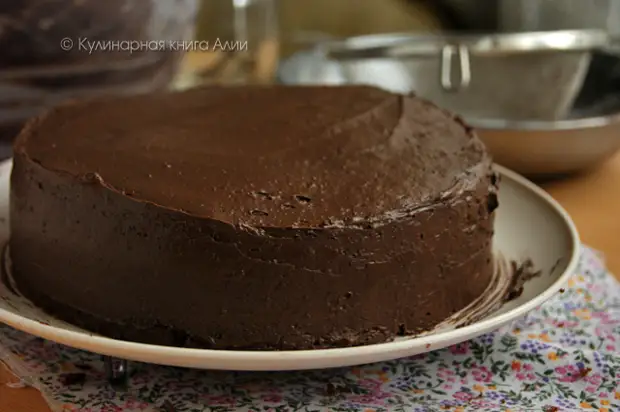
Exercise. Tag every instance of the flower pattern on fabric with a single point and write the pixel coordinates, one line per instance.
(563, 356)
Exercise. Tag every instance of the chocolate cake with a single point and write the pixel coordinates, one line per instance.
(253, 217)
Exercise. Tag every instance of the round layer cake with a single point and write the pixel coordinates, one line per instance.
(252, 217)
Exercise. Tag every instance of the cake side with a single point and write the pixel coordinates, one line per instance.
(163, 277)
(115, 263)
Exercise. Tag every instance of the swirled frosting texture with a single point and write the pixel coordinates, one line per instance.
(273, 157)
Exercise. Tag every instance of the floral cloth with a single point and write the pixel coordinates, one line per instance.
(564, 356)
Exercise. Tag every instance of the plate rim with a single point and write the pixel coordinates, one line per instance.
(297, 359)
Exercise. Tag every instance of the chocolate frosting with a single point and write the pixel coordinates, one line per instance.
(244, 155)
(253, 217)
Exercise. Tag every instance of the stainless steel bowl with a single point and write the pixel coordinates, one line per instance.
(533, 75)
(539, 148)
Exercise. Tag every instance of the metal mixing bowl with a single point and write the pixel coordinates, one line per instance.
(533, 75)
(540, 148)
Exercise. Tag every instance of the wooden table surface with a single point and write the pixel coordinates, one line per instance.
(592, 200)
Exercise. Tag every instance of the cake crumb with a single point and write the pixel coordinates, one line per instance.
(521, 273)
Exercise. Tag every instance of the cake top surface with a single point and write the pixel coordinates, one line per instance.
(263, 156)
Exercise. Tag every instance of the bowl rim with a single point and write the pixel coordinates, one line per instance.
(544, 125)
(409, 44)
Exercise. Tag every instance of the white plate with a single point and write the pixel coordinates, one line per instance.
(529, 224)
